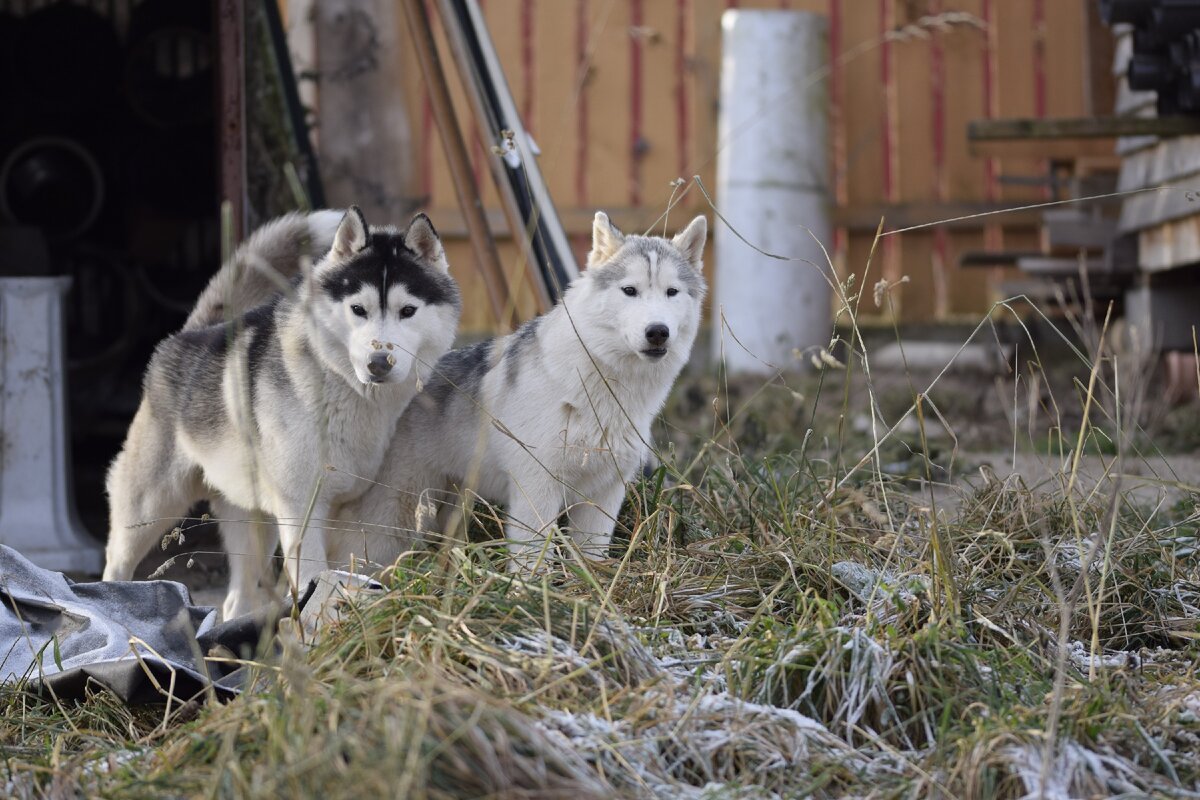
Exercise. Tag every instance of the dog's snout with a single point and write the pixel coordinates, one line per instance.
(657, 334)
(380, 364)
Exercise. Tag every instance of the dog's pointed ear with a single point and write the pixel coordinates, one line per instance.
(351, 235)
(606, 240)
(422, 239)
(690, 241)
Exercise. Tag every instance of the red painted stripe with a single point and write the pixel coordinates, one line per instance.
(836, 111)
(427, 146)
(682, 128)
(837, 122)
(989, 96)
(581, 120)
(528, 65)
(635, 103)
(478, 156)
(885, 78)
(891, 245)
(1039, 67)
(937, 89)
(1039, 58)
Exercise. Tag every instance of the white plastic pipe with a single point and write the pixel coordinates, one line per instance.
(773, 188)
(37, 507)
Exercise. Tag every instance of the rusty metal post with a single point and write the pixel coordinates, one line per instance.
(231, 108)
(486, 255)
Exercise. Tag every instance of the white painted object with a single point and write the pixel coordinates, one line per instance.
(773, 187)
(37, 508)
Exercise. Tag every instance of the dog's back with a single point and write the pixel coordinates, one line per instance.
(264, 265)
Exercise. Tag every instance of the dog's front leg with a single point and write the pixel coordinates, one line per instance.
(250, 539)
(532, 511)
(593, 519)
(305, 550)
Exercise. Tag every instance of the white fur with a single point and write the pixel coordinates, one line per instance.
(567, 432)
(298, 449)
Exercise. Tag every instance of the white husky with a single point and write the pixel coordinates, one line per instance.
(553, 418)
(251, 412)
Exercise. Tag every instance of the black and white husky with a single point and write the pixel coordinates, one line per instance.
(553, 418)
(280, 410)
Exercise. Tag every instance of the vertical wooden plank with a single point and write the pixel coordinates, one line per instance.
(864, 99)
(1014, 56)
(837, 133)
(909, 171)
(966, 92)
(479, 166)
(608, 95)
(972, 291)
(558, 102)
(637, 142)
(683, 112)
(937, 89)
(1067, 67)
(528, 104)
(231, 111)
(583, 69)
(658, 142)
(412, 90)
(888, 124)
(705, 60)
(963, 53)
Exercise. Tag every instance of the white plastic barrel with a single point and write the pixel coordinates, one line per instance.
(773, 187)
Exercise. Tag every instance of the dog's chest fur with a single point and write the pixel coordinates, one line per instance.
(349, 426)
(311, 426)
(567, 418)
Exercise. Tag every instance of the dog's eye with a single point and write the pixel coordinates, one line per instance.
(407, 312)
(358, 310)
(672, 292)
(629, 291)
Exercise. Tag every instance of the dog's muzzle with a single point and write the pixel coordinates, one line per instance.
(380, 365)
(656, 336)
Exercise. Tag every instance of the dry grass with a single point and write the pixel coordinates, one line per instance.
(772, 625)
(787, 613)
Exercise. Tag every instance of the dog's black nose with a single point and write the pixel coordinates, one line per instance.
(657, 334)
(380, 364)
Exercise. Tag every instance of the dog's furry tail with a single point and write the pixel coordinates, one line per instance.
(264, 265)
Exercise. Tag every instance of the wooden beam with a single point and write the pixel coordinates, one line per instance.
(484, 246)
(971, 259)
(865, 218)
(231, 109)
(857, 219)
(1049, 267)
(986, 130)
(1042, 149)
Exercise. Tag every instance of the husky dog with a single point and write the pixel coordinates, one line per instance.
(282, 409)
(554, 417)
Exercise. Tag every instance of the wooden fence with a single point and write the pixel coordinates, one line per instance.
(622, 95)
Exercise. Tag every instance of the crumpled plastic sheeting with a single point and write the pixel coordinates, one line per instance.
(142, 640)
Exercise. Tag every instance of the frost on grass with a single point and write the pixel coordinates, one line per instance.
(768, 628)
